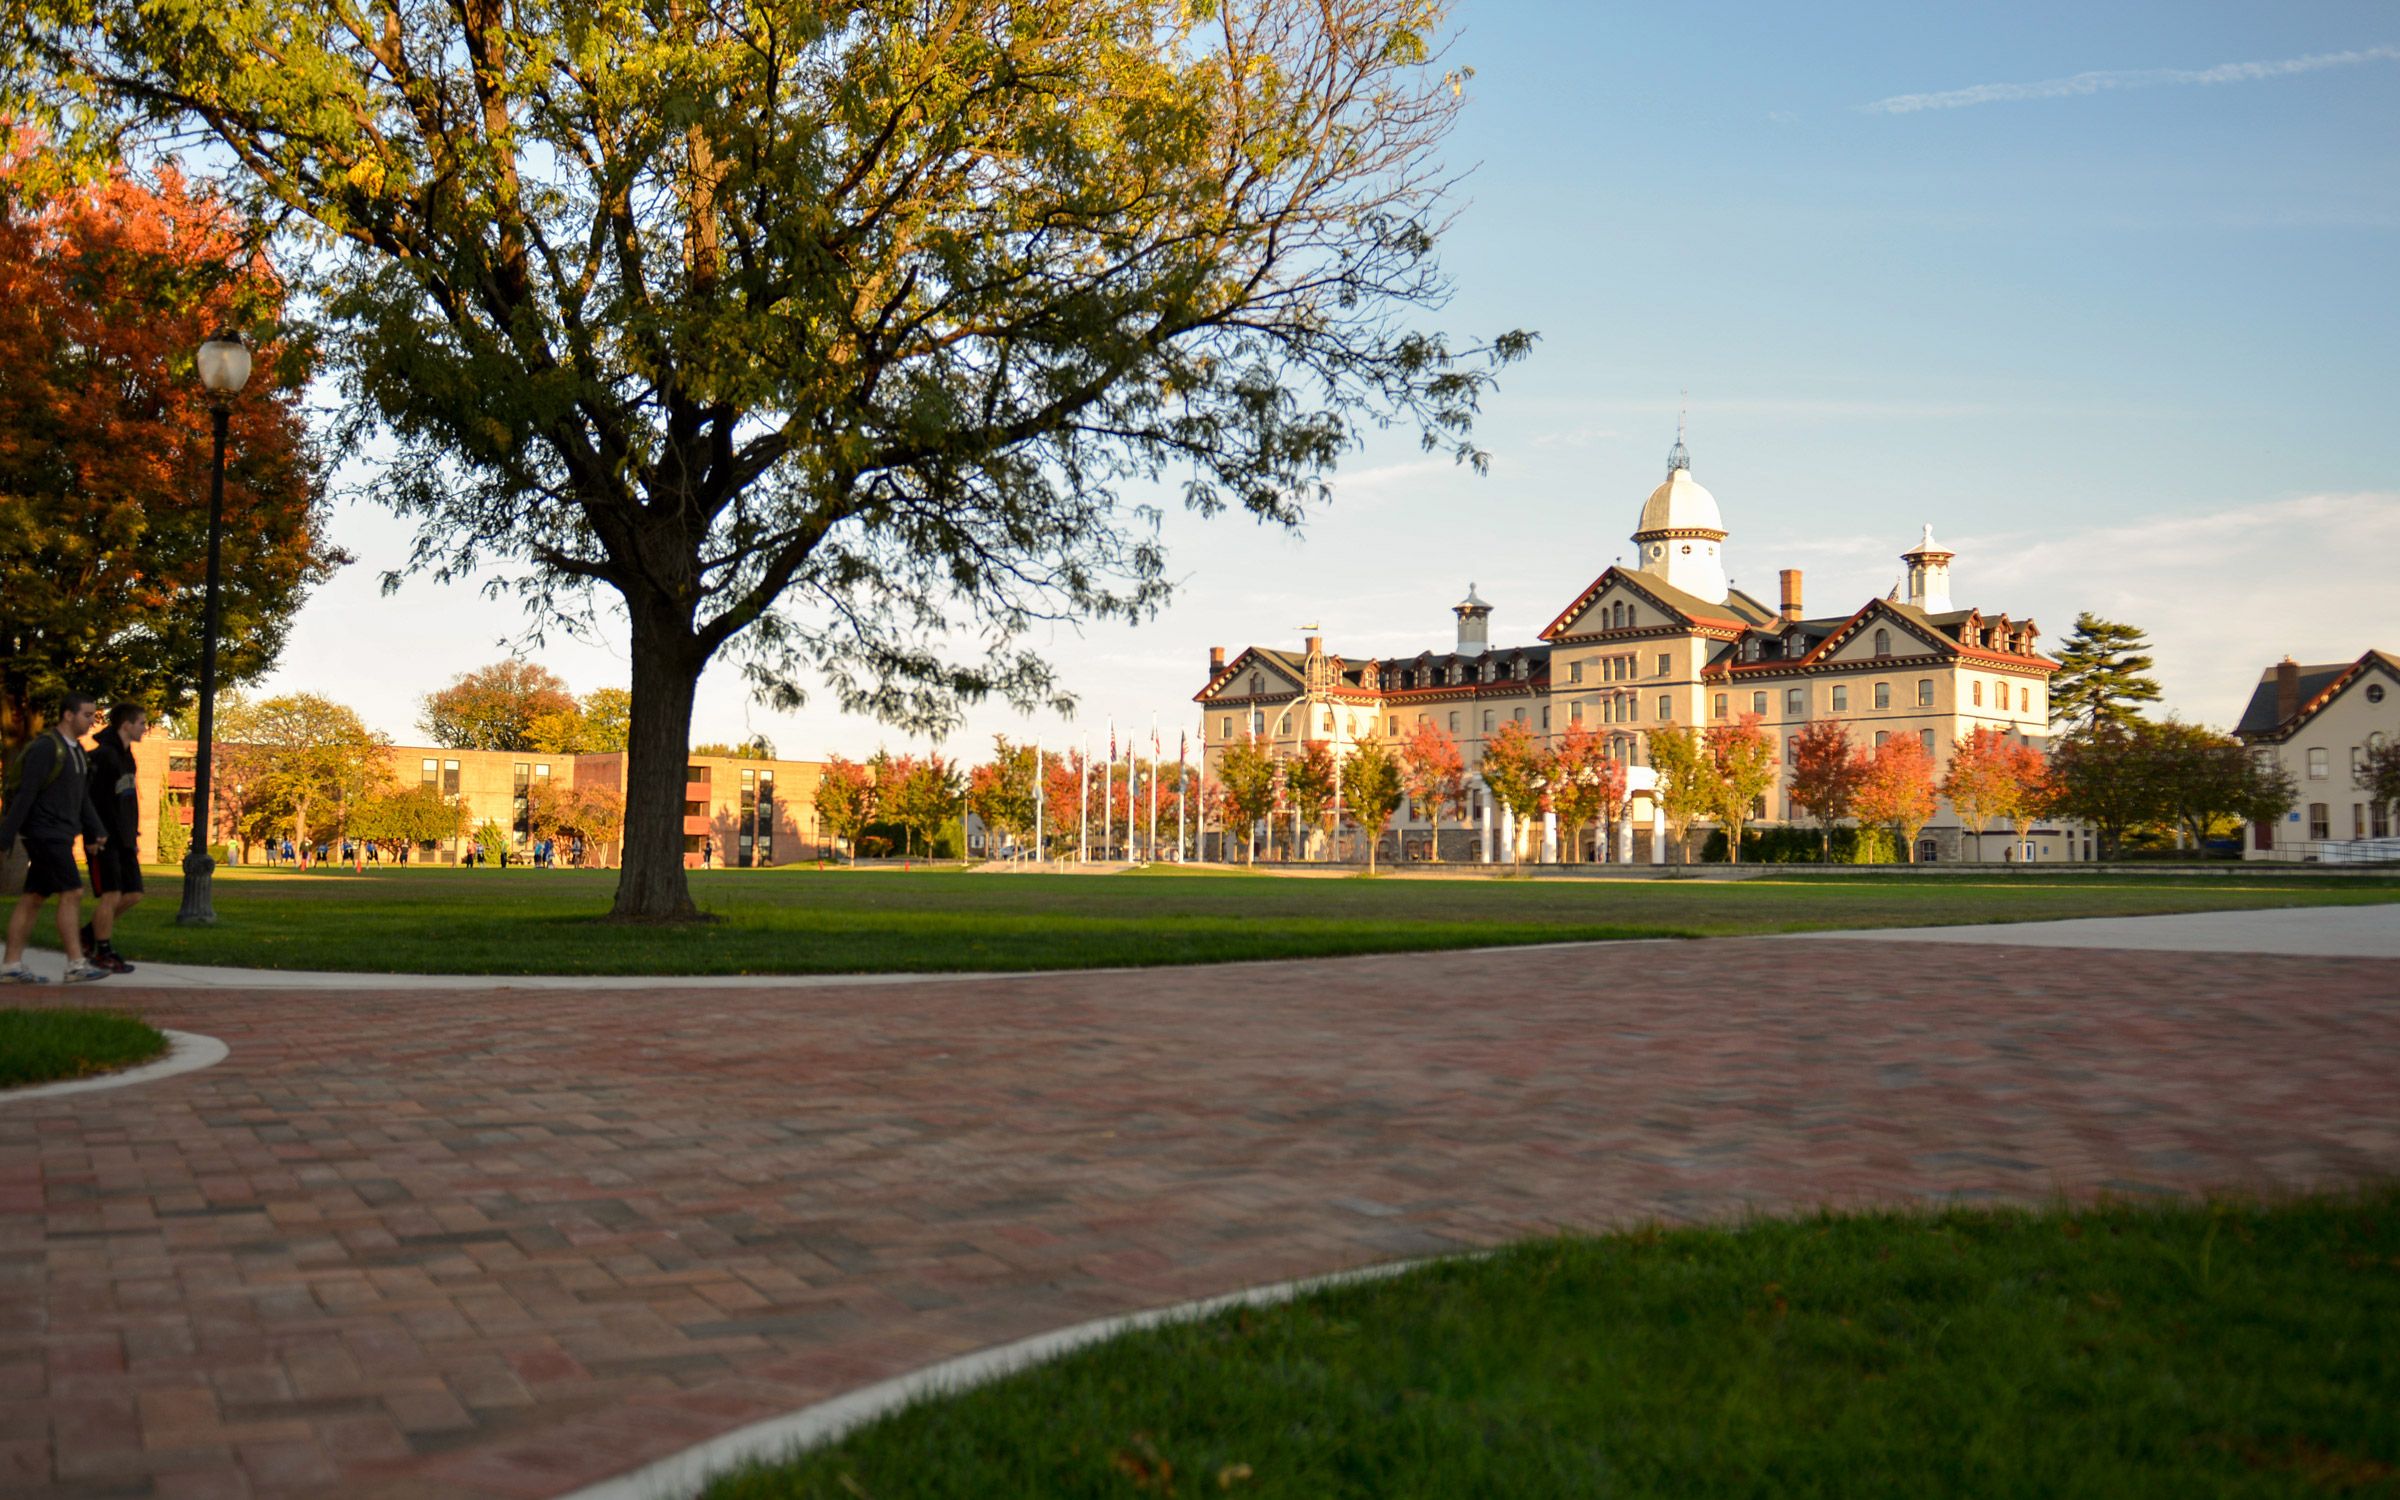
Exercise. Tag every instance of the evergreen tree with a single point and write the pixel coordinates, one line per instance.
(2103, 673)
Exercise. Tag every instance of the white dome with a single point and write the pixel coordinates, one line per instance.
(1680, 504)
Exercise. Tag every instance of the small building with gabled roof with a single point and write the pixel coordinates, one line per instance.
(2320, 724)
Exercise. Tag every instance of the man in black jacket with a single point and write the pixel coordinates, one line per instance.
(52, 804)
(117, 864)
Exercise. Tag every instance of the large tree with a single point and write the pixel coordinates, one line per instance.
(395, 820)
(106, 290)
(845, 800)
(1586, 783)
(826, 333)
(1310, 781)
(597, 723)
(1250, 777)
(1371, 791)
(2109, 775)
(2209, 783)
(1982, 781)
(306, 756)
(499, 707)
(2103, 676)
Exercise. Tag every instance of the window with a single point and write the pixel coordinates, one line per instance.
(2024, 700)
(1574, 671)
(1225, 727)
(432, 775)
(1258, 721)
(1393, 726)
(1883, 643)
(1517, 716)
(2374, 692)
(1717, 705)
(1666, 708)
(1329, 721)
(519, 804)
(1791, 749)
(1666, 663)
(2358, 820)
(2320, 821)
(1574, 713)
(1880, 736)
(1633, 707)
(1791, 701)
(1283, 726)
(1758, 703)
(1487, 721)
(1925, 738)
(1454, 723)
(1257, 684)
(1924, 692)
(449, 778)
(1795, 646)
(2318, 769)
(1423, 720)
(1978, 691)
(2379, 820)
(1841, 698)
(1883, 695)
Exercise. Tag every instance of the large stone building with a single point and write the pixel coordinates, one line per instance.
(750, 812)
(1667, 641)
(2319, 723)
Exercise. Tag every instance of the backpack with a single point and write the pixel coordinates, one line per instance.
(16, 770)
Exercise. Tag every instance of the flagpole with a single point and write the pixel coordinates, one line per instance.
(1183, 748)
(1108, 776)
(1083, 805)
(1154, 786)
(1040, 799)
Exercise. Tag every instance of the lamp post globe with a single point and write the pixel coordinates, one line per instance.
(224, 366)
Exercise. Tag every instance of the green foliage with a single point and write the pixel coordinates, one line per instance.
(1790, 845)
(2378, 772)
(757, 747)
(1873, 846)
(1688, 785)
(296, 763)
(494, 838)
(2149, 1351)
(1248, 773)
(1371, 791)
(596, 725)
(2103, 675)
(714, 312)
(46, 1045)
(1516, 766)
(174, 836)
(1002, 790)
(420, 814)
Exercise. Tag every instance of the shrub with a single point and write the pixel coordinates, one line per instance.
(873, 846)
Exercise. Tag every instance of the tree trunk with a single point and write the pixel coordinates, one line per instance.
(652, 885)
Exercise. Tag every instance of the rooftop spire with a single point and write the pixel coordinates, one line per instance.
(1680, 457)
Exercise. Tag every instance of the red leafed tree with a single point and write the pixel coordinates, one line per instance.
(106, 292)
(1434, 774)
(1825, 773)
(1896, 791)
(1586, 782)
(845, 800)
(1981, 781)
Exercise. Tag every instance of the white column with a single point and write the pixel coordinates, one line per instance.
(1486, 855)
(1658, 833)
(1508, 833)
(1625, 833)
(1549, 838)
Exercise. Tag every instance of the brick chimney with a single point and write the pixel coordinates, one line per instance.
(1216, 661)
(2287, 690)
(1791, 593)
(1316, 645)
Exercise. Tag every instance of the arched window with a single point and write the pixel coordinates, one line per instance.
(1883, 643)
(1979, 694)
(1257, 685)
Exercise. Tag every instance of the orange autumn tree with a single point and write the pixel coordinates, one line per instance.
(1825, 775)
(1896, 791)
(1981, 781)
(1744, 761)
(106, 292)
(1434, 774)
(1586, 783)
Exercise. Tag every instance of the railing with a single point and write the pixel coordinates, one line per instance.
(2337, 851)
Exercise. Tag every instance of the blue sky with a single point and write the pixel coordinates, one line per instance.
(2106, 294)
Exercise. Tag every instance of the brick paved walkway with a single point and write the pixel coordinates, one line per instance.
(483, 1244)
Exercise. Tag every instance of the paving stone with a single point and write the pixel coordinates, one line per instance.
(483, 1244)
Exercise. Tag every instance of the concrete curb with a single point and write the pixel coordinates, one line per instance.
(684, 1474)
(188, 1052)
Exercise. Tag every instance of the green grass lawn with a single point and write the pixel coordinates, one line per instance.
(2221, 1350)
(44, 1046)
(801, 921)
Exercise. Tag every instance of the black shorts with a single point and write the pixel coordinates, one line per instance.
(116, 871)
(52, 870)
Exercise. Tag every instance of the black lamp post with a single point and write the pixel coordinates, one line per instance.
(224, 370)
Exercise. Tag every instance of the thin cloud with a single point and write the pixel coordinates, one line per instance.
(2105, 81)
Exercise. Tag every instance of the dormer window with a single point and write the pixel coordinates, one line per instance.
(1257, 684)
(1883, 643)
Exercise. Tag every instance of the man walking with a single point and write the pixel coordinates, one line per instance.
(51, 805)
(117, 864)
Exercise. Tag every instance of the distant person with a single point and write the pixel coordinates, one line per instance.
(49, 807)
(117, 864)
(708, 852)
(287, 851)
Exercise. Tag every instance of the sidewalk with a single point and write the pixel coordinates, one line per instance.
(2301, 931)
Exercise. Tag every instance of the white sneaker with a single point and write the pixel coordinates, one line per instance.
(19, 974)
(83, 973)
